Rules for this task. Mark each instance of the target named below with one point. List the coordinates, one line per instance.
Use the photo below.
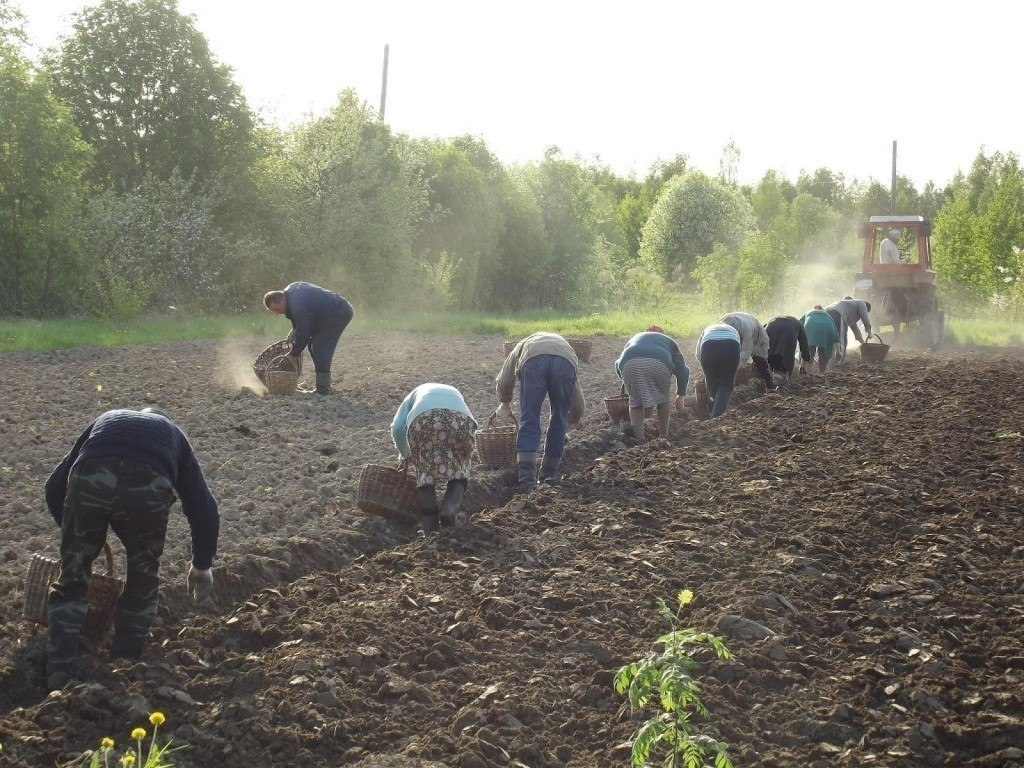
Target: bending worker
(123, 473)
(319, 317)
(545, 365)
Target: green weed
(665, 680)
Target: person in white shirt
(890, 251)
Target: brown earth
(870, 520)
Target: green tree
(762, 271)
(570, 209)
(770, 200)
(464, 217)
(159, 246)
(692, 214)
(964, 270)
(823, 184)
(148, 95)
(42, 164)
(514, 278)
(357, 201)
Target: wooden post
(892, 193)
(384, 84)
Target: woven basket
(618, 408)
(387, 492)
(269, 355)
(103, 593)
(582, 348)
(496, 446)
(873, 353)
(700, 394)
(282, 375)
(744, 374)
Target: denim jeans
(720, 359)
(543, 376)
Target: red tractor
(897, 276)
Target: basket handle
(877, 337)
(277, 360)
(493, 416)
(622, 390)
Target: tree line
(135, 177)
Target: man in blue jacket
(319, 317)
(123, 472)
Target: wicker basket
(103, 593)
(496, 446)
(700, 394)
(282, 375)
(873, 353)
(387, 492)
(618, 407)
(269, 355)
(582, 348)
(745, 373)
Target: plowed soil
(865, 527)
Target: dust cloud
(235, 370)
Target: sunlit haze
(795, 85)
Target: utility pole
(892, 191)
(384, 84)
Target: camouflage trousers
(133, 500)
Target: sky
(794, 85)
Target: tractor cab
(897, 276)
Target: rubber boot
(452, 501)
(527, 463)
(428, 509)
(323, 383)
(636, 421)
(549, 469)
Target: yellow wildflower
(107, 743)
(139, 734)
(128, 759)
(157, 718)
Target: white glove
(200, 582)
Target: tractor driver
(890, 250)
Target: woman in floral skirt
(433, 430)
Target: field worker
(433, 429)
(545, 365)
(646, 367)
(319, 317)
(851, 311)
(822, 337)
(718, 350)
(754, 343)
(840, 324)
(890, 250)
(123, 472)
(785, 333)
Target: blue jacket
(313, 309)
(660, 347)
(426, 397)
(157, 442)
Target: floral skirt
(441, 446)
